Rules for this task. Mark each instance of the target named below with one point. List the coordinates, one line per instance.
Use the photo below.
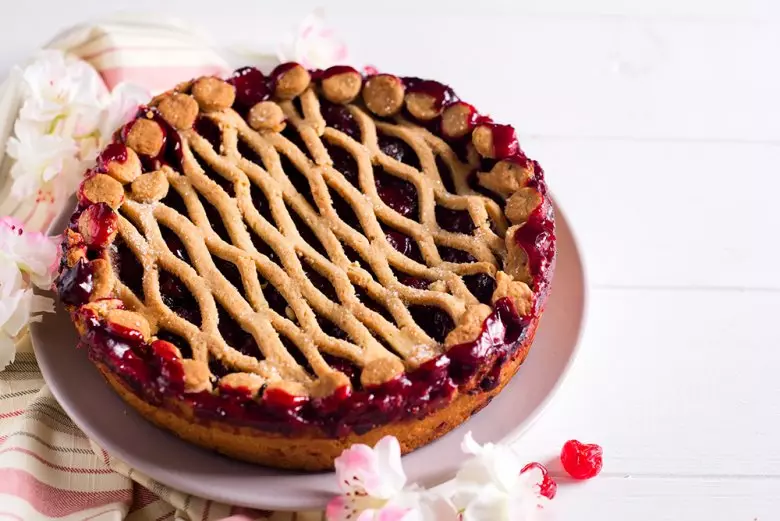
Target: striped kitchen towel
(49, 469)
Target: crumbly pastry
(277, 267)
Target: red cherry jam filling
(456, 221)
(178, 298)
(128, 267)
(209, 131)
(537, 238)
(398, 149)
(340, 118)
(481, 285)
(113, 152)
(74, 284)
(398, 194)
(251, 88)
(404, 244)
(344, 162)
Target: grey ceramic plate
(86, 397)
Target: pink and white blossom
(314, 45)
(24, 256)
(373, 486)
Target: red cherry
(581, 460)
(548, 487)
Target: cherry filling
(481, 285)
(504, 140)
(434, 321)
(344, 211)
(235, 336)
(214, 218)
(455, 255)
(175, 201)
(251, 87)
(231, 272)
(174, 244)
(291, 134)
(248, 153)
(209, 131)
(344, 162)
(260, 202)
(411, 280)
(404, 244)
(173, 338)
(446, 175)
(320, 282)
(457, 221)
(129, 268)
(399, 150)
(340, 118)
(113, 152)
(178, 298)
(75, 284)
(398, 194)
(537, 238)
(297, 179)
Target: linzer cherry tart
(277, 267)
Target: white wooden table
(659, 128)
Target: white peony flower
(491, 487)
(39, 158)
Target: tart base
(309, 451)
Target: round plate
(105, 418)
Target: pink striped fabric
(48, 468)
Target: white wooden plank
(677, 383)
(669, 214)
(667, 499)
(580, 76)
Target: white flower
(62, 91)
(491, 487)
(23, 255)
(314, 45)
(32, 253)
(39, 158)
(15, 304)
(372, 482)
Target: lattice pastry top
(308, 230)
